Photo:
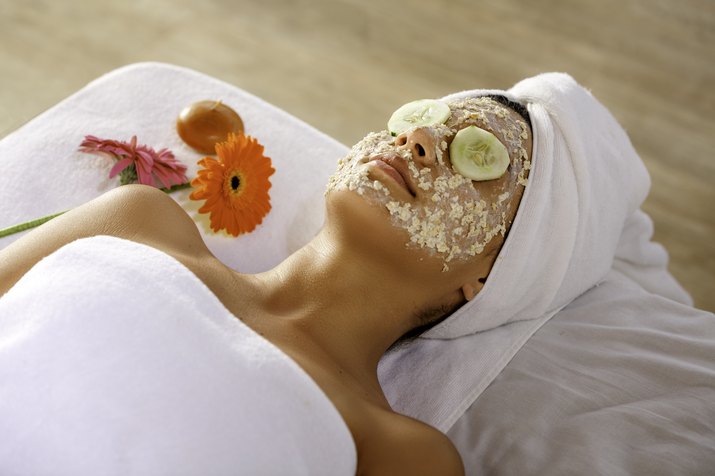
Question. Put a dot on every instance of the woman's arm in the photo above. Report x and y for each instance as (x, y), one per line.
(135, 212)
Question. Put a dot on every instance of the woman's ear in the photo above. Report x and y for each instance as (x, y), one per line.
(472, 289)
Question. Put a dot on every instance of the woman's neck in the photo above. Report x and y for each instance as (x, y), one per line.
(344, 305)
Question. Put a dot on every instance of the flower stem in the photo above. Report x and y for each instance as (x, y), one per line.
(39, 221)
(174, 188)
(27, 225)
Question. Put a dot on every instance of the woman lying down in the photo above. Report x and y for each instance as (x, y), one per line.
(138, 352)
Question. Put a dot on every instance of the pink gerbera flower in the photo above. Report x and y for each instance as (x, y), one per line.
(138, 162)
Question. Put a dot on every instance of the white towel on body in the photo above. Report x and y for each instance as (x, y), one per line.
(116, 359)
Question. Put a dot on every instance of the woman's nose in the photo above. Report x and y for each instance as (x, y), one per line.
(421, 143)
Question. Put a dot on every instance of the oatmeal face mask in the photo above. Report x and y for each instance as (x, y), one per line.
(460, 164)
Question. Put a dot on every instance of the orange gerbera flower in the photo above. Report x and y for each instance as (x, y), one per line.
(235, 186)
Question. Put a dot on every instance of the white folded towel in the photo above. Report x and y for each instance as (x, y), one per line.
(42, 172)
(116, 359)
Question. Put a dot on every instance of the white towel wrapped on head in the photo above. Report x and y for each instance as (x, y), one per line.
(585, 188)
(586, 181)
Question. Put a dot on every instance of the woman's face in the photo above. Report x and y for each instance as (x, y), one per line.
(434, 209)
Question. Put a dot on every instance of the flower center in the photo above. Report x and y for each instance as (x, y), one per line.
(234, 183)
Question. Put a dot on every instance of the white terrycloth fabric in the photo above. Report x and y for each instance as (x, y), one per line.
(116, 359)
(574, 201)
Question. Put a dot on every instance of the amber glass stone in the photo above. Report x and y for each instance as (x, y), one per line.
(202, 124)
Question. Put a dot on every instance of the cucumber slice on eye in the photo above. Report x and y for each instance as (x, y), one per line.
(423, 112)
(478, 155)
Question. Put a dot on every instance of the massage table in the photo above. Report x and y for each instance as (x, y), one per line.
(619, 381)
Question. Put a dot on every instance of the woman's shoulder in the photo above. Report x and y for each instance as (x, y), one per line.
(149, 215)
(397, 444)
(135, 212)
(386, 442)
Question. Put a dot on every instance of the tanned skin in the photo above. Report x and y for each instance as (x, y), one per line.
(312, 305)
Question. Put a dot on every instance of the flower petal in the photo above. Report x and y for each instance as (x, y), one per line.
(119, 166)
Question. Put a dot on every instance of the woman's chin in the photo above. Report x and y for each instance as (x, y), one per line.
(365, 223)
(350, 206)
(362, 219)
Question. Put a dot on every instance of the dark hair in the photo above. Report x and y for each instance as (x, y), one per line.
(426, 319)
(519, 108)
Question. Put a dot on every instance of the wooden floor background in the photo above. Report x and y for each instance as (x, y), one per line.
(345, 65)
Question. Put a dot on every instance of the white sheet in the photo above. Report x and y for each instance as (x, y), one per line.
(620, 382)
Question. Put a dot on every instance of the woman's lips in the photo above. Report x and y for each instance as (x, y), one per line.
(393, 173)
